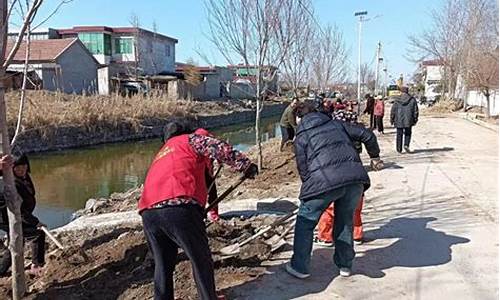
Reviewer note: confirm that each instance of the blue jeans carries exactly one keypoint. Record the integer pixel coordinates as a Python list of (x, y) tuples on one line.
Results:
[(346, 199)]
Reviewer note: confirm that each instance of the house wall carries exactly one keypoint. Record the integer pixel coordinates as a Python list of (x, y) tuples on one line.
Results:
[(154, 57), (78, 70), (476, 98)]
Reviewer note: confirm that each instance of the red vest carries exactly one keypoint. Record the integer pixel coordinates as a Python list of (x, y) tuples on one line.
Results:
[(177, 171)]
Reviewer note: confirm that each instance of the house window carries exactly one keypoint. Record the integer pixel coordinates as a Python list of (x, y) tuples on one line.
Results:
[(96, 42), (167, 49), (123, 46)]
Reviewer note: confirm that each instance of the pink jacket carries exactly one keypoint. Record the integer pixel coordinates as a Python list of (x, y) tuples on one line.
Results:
[(379, 108)]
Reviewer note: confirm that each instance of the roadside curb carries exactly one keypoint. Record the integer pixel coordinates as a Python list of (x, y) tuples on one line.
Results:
[(472, 117)]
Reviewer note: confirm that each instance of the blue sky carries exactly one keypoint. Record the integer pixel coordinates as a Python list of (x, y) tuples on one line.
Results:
[(186, 21)]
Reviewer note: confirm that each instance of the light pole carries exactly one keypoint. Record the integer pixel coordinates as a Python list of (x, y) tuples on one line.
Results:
[(359, 14)]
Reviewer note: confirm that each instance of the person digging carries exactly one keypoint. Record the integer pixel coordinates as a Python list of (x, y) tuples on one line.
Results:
[(31, 225), (173, 200), (331, 171), (288, 124)]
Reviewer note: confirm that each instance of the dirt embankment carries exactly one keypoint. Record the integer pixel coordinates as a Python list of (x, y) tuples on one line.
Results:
[(279, 178), (114, 264)]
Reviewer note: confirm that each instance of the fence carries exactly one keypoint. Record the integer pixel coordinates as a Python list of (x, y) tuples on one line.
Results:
[(476, 98)]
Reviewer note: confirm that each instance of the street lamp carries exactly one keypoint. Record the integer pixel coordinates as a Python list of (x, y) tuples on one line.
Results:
[(359, 14)]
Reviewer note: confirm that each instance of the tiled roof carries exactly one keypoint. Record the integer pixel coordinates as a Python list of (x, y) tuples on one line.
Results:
[(41, 50)]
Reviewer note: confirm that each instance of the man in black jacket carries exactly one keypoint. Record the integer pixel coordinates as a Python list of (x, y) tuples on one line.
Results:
[(404, 115), (331, 171)]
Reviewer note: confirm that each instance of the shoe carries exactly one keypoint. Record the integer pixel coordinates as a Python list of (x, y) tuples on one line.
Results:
[(407, 149), (345, 272), (322, 243), (291, 271), (358, 242)]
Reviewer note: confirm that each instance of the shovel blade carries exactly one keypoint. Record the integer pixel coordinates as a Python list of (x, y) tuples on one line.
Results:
[(230, 250)]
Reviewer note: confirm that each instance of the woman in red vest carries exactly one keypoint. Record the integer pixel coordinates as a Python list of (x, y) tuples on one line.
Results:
[(173, 200)]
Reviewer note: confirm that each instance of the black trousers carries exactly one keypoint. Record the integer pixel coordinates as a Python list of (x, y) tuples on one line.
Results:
[(172, 227), (372, 121), (379, 121), (287, 134), (37, 239), (399, 138)]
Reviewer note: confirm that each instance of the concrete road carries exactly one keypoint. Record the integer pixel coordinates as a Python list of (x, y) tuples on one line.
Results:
[(430, 220)]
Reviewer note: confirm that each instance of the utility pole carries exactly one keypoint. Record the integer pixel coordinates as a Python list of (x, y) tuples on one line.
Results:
[(385, 80), (377, 70), (360, 14)]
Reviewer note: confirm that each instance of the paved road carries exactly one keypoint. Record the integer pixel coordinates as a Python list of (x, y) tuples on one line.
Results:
[(431, 221)]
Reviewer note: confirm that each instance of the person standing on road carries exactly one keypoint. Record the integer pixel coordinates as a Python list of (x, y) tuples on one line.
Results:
[(331, 171), (172, 205), (404, 115), (288, 124), (379, 111), (370, 105)]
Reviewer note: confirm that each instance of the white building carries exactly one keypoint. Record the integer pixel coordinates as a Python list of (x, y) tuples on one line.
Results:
[(127, 49)]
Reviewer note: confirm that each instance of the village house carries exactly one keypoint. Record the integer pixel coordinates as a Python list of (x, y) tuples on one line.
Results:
[(59, 65)]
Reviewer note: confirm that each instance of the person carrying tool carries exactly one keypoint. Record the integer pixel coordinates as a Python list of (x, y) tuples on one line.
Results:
[(331, 171), (288, 124), (173, 200), (31, 225)]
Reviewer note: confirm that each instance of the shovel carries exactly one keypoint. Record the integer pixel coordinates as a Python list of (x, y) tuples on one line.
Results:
[(225, 194), (235, 248), (60, 246)]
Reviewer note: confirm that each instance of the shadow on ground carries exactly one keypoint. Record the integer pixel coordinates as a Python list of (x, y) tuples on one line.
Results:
[(417, 246)]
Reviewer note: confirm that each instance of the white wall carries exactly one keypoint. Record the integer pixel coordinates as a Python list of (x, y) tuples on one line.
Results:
[(476, 98), (433, 74)]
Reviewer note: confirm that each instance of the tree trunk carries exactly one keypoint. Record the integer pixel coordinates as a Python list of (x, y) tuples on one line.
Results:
[(487, 112), (14, 210), (258, 99), (10, 193)]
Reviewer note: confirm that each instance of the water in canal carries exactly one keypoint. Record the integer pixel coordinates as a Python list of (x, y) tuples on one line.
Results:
[(65, 180)]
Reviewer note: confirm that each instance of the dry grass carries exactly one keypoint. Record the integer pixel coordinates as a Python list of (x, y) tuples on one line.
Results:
[(48, 110)]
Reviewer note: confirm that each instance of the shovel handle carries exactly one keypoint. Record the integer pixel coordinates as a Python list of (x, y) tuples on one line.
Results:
[(52, 237), (225, 194)]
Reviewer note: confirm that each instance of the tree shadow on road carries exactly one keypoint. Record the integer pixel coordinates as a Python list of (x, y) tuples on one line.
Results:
[(417, 246)]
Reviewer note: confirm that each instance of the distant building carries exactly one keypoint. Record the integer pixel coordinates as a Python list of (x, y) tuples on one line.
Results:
[(214, 82), (60, 64), (127, 49), (248, 73), (433, 74)]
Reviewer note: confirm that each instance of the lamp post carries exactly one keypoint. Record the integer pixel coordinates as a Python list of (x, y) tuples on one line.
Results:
[(359, 14)]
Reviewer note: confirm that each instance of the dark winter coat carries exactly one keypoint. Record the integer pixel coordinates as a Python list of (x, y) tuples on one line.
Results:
[(370, 105), (404, 112), (26, 191), (326, 157)]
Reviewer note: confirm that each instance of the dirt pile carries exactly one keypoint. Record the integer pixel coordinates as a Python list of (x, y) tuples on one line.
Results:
[(117, 266)]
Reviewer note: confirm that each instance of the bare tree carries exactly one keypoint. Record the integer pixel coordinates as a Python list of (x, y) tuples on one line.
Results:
[(258, 32), (28, 11), (136, 23), (329, 58), (367, 76), (297, 61)]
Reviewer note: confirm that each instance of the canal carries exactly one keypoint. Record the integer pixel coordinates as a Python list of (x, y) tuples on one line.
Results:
[(65, 180)]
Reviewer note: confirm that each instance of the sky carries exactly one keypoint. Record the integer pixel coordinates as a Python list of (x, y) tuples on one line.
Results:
[(390, 22)]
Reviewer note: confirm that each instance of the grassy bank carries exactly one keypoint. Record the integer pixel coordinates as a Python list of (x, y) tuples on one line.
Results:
[(48, 110)]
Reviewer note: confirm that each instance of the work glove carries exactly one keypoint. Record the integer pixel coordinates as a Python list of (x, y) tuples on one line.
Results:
[(251, 171), (376, 164)]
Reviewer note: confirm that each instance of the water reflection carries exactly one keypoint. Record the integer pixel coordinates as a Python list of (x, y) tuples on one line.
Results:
[(66, 179)]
